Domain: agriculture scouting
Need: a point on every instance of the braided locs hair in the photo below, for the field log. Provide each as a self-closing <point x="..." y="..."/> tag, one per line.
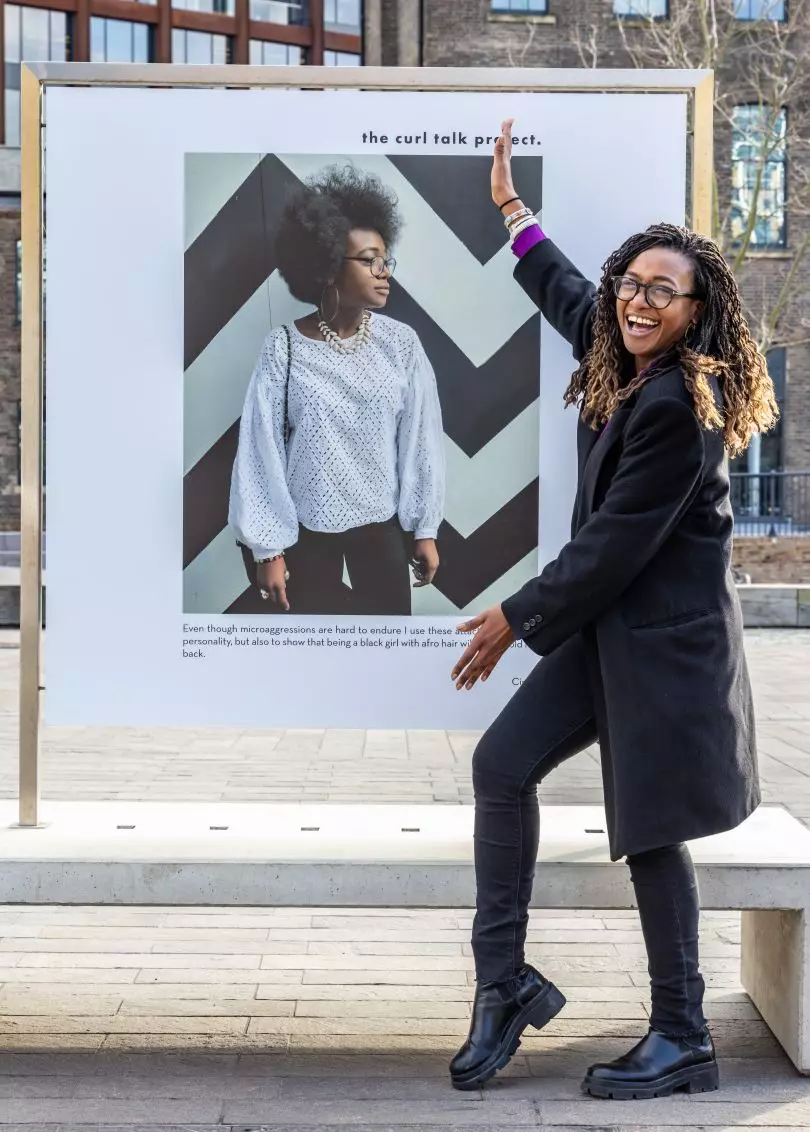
<point x="721" y="345"/>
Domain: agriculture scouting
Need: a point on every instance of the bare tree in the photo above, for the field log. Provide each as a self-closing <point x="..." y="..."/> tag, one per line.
<point x="762" y="115"/>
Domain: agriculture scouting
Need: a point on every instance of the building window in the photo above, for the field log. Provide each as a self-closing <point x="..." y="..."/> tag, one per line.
<point x="264" y="54"/>
<point x="641" y="9"/>
<point x="758" y="175"/>
<point x="344" y="16"/>
<point x="32" y="35"/>
<point x="772" y="454"/>
<point x="760" y="10"/>
<point x="119" y="41"/>
<point x="223" y="7"/>
<point x="538" y="7"/>
<point x="278" y="12"/>
<point x="199" y="47"/>
<point x="341" y="59"/>
<point x="18" y="281"/>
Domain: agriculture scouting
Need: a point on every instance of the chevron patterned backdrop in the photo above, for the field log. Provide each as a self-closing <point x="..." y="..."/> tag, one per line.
<point x="453" y="286"/>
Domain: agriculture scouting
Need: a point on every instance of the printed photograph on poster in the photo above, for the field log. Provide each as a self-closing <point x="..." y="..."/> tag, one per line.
<point x="396" y="470"/>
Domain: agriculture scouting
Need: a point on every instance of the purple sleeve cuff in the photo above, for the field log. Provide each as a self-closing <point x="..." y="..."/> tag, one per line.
<point x="527" y="239"/>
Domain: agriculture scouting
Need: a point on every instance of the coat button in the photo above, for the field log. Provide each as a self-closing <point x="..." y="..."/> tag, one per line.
<point x="532" y="621"/>
<point x="526" y="626"/>
<point x="539" y="618"/>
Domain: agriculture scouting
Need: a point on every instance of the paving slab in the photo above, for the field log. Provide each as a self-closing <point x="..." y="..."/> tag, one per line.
<point x="240" y="1019"/>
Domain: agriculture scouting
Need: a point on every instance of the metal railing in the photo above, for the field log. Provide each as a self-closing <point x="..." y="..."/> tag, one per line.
<point x="776" y="504"/>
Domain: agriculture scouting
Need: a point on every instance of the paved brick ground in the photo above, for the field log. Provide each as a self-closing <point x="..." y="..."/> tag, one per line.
<point x="284" y="1019"/>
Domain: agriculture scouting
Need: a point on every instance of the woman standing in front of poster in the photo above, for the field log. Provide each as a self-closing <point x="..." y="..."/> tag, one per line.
<point x="340" y="464"/>
<point x="639" y="628"/>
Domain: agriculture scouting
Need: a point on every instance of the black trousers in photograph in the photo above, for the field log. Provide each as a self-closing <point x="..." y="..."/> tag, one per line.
<point x="376" y="559"/>
<point x="549" y="719"/>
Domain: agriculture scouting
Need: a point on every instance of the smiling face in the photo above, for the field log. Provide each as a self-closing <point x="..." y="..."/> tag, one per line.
<point x="648" y="331"/>
<point x="358" y="286"/>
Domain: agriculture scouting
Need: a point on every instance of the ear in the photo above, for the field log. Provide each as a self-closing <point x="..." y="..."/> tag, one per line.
<point x="697" y="311"/>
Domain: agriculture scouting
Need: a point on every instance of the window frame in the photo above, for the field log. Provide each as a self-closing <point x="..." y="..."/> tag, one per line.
<point x="19" y="10"/>
<point x="212" y="36"/>
<point x="287" y="47"/>
<point x="504" y="8"/>
<point x="132" y="25"/>
<point x="754" y="245"/>
<point x="783" y="19"/>
<point x="642" y="17"/>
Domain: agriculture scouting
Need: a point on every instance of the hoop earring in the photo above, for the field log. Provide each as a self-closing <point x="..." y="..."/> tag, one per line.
<point x="689" y="333"/>
<point x="337" y="303"/>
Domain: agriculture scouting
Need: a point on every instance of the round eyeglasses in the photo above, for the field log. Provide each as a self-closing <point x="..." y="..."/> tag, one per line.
<point x="376" y="264"/>
<point x="657" y="295"/>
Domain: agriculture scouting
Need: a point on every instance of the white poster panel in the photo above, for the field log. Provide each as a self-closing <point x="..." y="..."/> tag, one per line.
<point x="173" y="219"/>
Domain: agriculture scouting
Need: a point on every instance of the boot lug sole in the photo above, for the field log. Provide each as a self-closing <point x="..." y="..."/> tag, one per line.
<point x="692" y="1079"/>
<point x="538" y="1013"/>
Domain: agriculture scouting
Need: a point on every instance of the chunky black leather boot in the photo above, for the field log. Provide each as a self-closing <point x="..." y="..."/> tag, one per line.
<point x="501" y="1012"/>
<point x="656" y="1067"/>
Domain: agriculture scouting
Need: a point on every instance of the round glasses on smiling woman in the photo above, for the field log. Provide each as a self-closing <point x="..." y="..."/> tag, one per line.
<point x="657" y="295"/>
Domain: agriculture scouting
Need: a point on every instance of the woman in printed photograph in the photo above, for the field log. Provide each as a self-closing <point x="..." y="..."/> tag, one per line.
<point x="339" y="480"/>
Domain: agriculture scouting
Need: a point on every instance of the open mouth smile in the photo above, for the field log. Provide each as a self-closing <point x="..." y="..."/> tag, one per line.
<point x="639" y="326"/>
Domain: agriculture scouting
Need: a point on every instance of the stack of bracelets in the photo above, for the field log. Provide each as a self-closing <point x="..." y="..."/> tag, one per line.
<point x="519" y="220"/>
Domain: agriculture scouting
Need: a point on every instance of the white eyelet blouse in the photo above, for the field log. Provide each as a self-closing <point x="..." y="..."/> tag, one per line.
<point x="365" y="442"/>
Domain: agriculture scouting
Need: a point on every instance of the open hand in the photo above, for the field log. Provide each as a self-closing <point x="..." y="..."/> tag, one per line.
<point x="503" y="188"/>
<point x="493" y="636"/>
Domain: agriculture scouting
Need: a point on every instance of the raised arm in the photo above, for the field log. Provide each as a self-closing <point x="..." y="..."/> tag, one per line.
<point x="562" y="293"/>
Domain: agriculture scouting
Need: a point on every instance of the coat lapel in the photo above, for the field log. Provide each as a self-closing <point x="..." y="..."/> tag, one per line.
<point x="592" y="456"/>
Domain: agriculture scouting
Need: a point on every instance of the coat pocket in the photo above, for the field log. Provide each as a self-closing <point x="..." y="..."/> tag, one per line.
<point x="673" y="620"/>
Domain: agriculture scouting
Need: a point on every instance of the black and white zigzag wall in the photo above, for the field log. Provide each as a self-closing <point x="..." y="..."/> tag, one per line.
<point x="453" y="286"/>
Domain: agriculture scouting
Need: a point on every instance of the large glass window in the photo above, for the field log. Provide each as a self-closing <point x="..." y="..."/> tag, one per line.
<point x="537" y="6"/>
<point x="267" y="54"/>
<point x="33" y="35"/>
<point x="759" y="175"/>
<point x="225" y="7"/>
<point x="119" y="41"/>
<point x="760" y="10"/>
<point x="199" y="47"/>
<point x="341" y="59"/>
<point x="641" y="9"/>
<point x="279" y="12"/>
<point x="344" y="16"/>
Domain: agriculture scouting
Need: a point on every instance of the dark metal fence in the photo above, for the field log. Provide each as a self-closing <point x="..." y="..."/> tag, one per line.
<point x="771" y="503"/>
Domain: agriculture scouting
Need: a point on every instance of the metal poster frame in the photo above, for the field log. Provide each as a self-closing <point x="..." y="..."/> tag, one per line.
<point x="698" y="85"/>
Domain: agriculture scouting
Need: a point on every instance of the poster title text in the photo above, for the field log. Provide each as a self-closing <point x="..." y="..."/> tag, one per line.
<point x="455" y="137"/>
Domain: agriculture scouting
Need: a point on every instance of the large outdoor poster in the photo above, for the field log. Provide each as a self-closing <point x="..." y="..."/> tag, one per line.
<point x="469" y="411"/>
<point x="193" y="404"/>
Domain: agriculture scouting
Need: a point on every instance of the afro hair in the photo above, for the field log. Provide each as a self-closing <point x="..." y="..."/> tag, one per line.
<point x="317" y="218"/>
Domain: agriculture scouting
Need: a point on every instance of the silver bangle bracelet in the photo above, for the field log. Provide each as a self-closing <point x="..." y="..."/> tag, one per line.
<point x="518" y="214"/>
<point x="532" y="222"/>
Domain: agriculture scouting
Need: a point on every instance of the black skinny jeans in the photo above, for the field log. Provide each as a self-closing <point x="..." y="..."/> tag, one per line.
<point x="549" y="719"/>
<point x="375" y="557"/>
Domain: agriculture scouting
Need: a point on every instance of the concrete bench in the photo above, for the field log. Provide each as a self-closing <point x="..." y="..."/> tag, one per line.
<point x="401" y="856"/>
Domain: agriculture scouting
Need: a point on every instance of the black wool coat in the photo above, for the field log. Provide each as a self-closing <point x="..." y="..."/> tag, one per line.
<point x="646" y="580"/>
